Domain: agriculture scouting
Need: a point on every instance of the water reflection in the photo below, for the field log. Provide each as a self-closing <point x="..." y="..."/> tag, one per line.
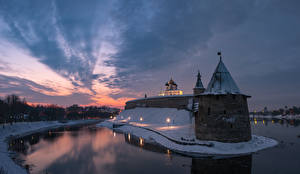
<point x="283" y="122"/>
<point x="215" y="165"/>
<point x="94" y="150"/>
<point x="140" y="142"/>
<point x="51" y="149"/>
<point x="235" y="165"/>
<point x="100" y="150"/>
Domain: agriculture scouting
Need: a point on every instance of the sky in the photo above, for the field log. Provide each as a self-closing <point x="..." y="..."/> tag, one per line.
<point x="105" y="52"/>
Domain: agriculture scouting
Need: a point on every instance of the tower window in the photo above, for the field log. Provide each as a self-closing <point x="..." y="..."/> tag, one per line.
<point x="208" y="111"/>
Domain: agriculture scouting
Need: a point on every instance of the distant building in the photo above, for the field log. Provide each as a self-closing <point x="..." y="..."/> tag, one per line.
<point x="171" y="89"/>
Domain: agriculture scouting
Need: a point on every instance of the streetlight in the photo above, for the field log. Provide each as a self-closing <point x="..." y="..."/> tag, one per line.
<point x="141" y="118"/>
<point x="168" y="120"/>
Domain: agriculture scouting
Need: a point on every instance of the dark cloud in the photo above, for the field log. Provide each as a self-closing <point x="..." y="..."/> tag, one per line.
<point x="157" y="34"/>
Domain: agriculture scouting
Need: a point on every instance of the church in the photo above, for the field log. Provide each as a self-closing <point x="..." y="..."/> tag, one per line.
<point x="171" y="89"/>
<point x="220" y="111"/>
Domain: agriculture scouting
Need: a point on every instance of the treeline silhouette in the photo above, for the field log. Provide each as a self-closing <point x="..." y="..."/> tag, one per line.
<point x="14" y="109"/>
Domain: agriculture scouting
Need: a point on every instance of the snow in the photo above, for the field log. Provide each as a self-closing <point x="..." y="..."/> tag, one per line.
<point x="229" y="120"/>
<point x="178" y="135"/>
<point x="222" y="82"/>
<point x="21" y="129"/>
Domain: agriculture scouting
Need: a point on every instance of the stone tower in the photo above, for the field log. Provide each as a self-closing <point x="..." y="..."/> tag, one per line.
<point x="199" y="86"/>
<point x="222" y="110"/>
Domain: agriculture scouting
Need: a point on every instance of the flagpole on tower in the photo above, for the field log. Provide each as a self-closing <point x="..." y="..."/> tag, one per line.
<point x="220" y="54"/>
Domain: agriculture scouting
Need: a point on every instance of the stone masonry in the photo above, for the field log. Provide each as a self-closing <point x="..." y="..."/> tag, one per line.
<point x="179" y="102"/>
<point x="223" y="118"/>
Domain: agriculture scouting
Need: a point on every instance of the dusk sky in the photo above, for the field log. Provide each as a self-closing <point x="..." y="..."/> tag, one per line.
<point x="105" y="52"/>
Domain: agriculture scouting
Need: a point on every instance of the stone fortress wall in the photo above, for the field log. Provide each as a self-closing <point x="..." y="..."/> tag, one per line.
<point x="179" y="102"/>
<point x="223" y="118"/>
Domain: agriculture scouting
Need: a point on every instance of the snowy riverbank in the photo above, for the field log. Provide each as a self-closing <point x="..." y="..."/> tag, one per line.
<point x="25" y="128"/>
<point x="174" y="130"/>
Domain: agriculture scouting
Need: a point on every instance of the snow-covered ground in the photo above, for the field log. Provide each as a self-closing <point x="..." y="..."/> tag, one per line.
<point x="288" y="117"/>
<point x="24" y="128"/>
<point x="174" y="129"/>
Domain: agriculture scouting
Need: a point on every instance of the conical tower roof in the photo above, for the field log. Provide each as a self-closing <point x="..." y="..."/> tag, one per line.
<point x="222" y="82"/>
<point x="199" y="83"/>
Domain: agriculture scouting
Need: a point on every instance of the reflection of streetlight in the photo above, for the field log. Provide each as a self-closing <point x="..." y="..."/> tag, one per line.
<point x="129" y="118"/>
<point x="114" y="134"/>
<point x="141" y="118"/>
<point x="128" y="137"/>
<point x="141" y="141"/>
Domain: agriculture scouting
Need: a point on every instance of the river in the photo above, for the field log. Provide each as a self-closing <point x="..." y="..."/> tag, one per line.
<point x="92" y="150"/>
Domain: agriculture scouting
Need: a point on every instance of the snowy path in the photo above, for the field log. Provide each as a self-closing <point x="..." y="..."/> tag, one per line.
<point x="24" y="128"/>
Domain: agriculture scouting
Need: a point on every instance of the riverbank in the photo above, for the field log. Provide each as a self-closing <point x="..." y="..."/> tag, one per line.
<point x="26" y="128"/>
<point x="174" y="130"/>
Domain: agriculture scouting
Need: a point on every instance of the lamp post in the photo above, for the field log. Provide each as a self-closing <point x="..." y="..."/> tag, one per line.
<point x="168" y="120"/>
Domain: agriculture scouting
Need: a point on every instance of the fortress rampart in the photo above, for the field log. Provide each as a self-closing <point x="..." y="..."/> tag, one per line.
<point x="179" y="102"/>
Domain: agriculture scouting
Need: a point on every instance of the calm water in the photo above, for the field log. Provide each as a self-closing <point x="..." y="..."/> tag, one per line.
<point x="99" y="150"/>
